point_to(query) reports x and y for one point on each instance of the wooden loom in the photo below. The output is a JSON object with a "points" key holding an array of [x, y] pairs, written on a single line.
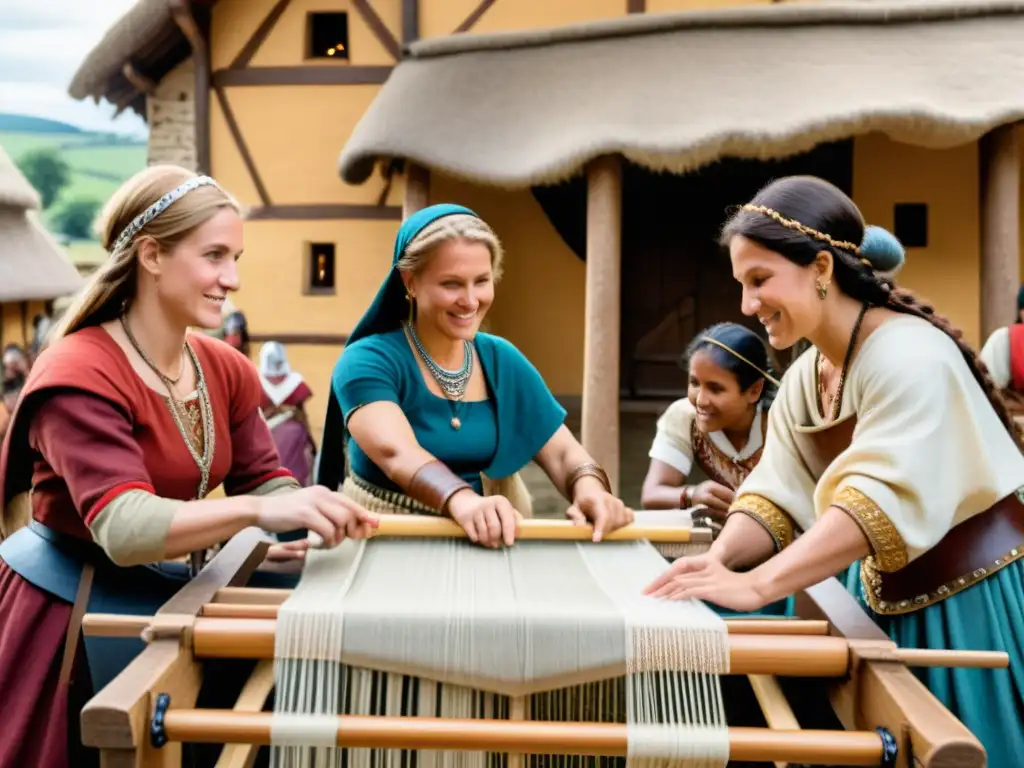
{"points": [[890, 718]]}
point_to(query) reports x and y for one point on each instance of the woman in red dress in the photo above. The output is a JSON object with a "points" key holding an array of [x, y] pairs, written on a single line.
{"points": [[125, 423]]}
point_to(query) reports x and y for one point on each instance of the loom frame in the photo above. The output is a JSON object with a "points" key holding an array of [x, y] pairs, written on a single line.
{"points": [[877, 691]]}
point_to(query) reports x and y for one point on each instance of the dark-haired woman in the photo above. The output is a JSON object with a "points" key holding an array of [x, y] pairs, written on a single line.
{"points": [[720, 425], [887, 444]]}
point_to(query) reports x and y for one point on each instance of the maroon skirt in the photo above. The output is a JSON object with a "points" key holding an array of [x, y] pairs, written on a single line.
{"points": [[34, 728]]}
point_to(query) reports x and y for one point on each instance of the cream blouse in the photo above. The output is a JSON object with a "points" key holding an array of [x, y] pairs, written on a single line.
{"points": [[927, 452]]}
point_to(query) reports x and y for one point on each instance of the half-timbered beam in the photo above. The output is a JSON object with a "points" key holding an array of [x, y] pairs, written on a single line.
{"points": [[410, 21], [324, 211], [378, 27], [474, 16], [262, 32], [243, 149], [313, 75]]}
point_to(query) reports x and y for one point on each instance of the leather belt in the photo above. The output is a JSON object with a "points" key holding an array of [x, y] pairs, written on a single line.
{"points": [[971, 551]]}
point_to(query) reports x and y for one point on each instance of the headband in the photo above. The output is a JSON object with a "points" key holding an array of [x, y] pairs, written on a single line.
{"points": [[157, 208], [738, 356]]}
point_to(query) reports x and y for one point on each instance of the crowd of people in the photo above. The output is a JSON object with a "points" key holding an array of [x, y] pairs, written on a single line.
{"points": [[882, 447]]}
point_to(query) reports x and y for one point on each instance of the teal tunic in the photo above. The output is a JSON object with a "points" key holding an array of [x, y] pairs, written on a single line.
{"points": [[498, 436], [988, 616], [384, 368]]}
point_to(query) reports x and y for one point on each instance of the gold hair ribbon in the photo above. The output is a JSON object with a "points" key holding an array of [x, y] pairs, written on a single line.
{"points": [[845, 245], [738, 356]]}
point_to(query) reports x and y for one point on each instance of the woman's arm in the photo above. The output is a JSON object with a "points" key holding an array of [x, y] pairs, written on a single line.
{"points": [[583, 483], [384, 434], [832, 544], [663, 487]]}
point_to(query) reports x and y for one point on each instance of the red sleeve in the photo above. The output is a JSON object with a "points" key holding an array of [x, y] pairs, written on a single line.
{"points": [[254, 455], [88, 442]]}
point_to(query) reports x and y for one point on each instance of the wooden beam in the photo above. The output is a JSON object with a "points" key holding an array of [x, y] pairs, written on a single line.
{"points": [[886, 693], [474, 16], [140, 82], [417, 189], [600, 416], [243, 149], [311, 339], [196, 35], [378, 27], [999, 159], [410, 21], [320, 212], [262, 33], [326, 74]]}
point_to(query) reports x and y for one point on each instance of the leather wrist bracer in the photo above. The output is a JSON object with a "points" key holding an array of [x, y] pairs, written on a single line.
{"points": [[434, 484]]}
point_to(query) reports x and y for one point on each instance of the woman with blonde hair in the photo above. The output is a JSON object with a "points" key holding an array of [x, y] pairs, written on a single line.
{"points": [[125, 423], [437, 417]]}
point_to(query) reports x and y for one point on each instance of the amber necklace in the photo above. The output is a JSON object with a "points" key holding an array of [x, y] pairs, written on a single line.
{"points": [[835, 404]]}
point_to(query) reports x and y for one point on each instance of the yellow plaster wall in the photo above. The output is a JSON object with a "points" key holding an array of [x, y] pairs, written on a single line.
{"points": [[947, 271], [13, 330], [234, 22]]}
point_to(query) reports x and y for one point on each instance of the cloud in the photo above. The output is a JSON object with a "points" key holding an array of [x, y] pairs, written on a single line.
{"points": [[42, 44]]}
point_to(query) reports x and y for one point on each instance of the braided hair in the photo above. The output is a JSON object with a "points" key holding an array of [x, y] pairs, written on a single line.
{"points": [[818, 205]]}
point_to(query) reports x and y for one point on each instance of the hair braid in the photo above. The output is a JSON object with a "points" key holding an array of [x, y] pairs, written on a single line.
{"points": [[903, 300]]}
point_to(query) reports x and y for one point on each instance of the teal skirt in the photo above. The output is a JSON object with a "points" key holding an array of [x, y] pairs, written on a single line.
{"points": [[986, 617]]}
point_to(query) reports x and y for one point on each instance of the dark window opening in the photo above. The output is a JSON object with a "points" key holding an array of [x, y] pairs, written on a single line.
{"points": [[320, 268], [327, 36], [910, 222]]}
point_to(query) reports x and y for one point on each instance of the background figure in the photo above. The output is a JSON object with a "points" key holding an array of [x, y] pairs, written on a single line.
{"points": [[236, 332], [720, 424], [15, 363], [283, 402], [1003, 355]]}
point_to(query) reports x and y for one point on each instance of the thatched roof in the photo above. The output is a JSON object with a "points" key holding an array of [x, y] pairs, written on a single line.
{"points": [[32, 263], [146, 35], [675, 91], [15, 190]]}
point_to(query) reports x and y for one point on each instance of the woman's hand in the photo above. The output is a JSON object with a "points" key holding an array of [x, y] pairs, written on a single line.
{"points": [[487, 520], [600, 508], [715, 496], [705, 577], [332, 516]]}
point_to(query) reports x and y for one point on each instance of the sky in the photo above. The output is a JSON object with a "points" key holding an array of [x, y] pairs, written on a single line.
{"points": [[42, 44]]}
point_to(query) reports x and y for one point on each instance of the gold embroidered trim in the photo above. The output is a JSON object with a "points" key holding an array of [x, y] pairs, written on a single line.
{"points": [[888, 546], [774, 520], [871, 577]]}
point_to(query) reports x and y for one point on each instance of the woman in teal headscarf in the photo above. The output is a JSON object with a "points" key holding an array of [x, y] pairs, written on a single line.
{"points": [[429, 415]]}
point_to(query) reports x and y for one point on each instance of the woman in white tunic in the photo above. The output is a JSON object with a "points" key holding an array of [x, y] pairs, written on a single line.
{"points": [[719, 427], [887, 444]]}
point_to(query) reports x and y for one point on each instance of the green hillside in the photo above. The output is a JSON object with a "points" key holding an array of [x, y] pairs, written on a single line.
{"points": [[99, 163], [29, 124]]}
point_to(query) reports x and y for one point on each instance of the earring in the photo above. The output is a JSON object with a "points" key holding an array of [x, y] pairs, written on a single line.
{"points": [[411, 299], [823, 290]]}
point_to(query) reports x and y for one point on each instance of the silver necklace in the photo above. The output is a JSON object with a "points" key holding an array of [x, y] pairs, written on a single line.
{"points": [[452, 383]]}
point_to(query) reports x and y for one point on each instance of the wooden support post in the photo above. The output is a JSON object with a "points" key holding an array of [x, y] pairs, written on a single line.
{"points": [[886, 693], [417, 188], [999, 169], [600, 416]]}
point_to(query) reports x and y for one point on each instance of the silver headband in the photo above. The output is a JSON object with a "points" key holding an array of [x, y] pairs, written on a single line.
{"points": [[157, 208]]}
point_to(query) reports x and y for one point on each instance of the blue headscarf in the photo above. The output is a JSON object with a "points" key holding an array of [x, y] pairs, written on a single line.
{"points": [[389, 306], [522, 390]]}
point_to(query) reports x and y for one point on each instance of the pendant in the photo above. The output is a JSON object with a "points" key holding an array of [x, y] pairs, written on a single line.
{"points": [[456, 424]]}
